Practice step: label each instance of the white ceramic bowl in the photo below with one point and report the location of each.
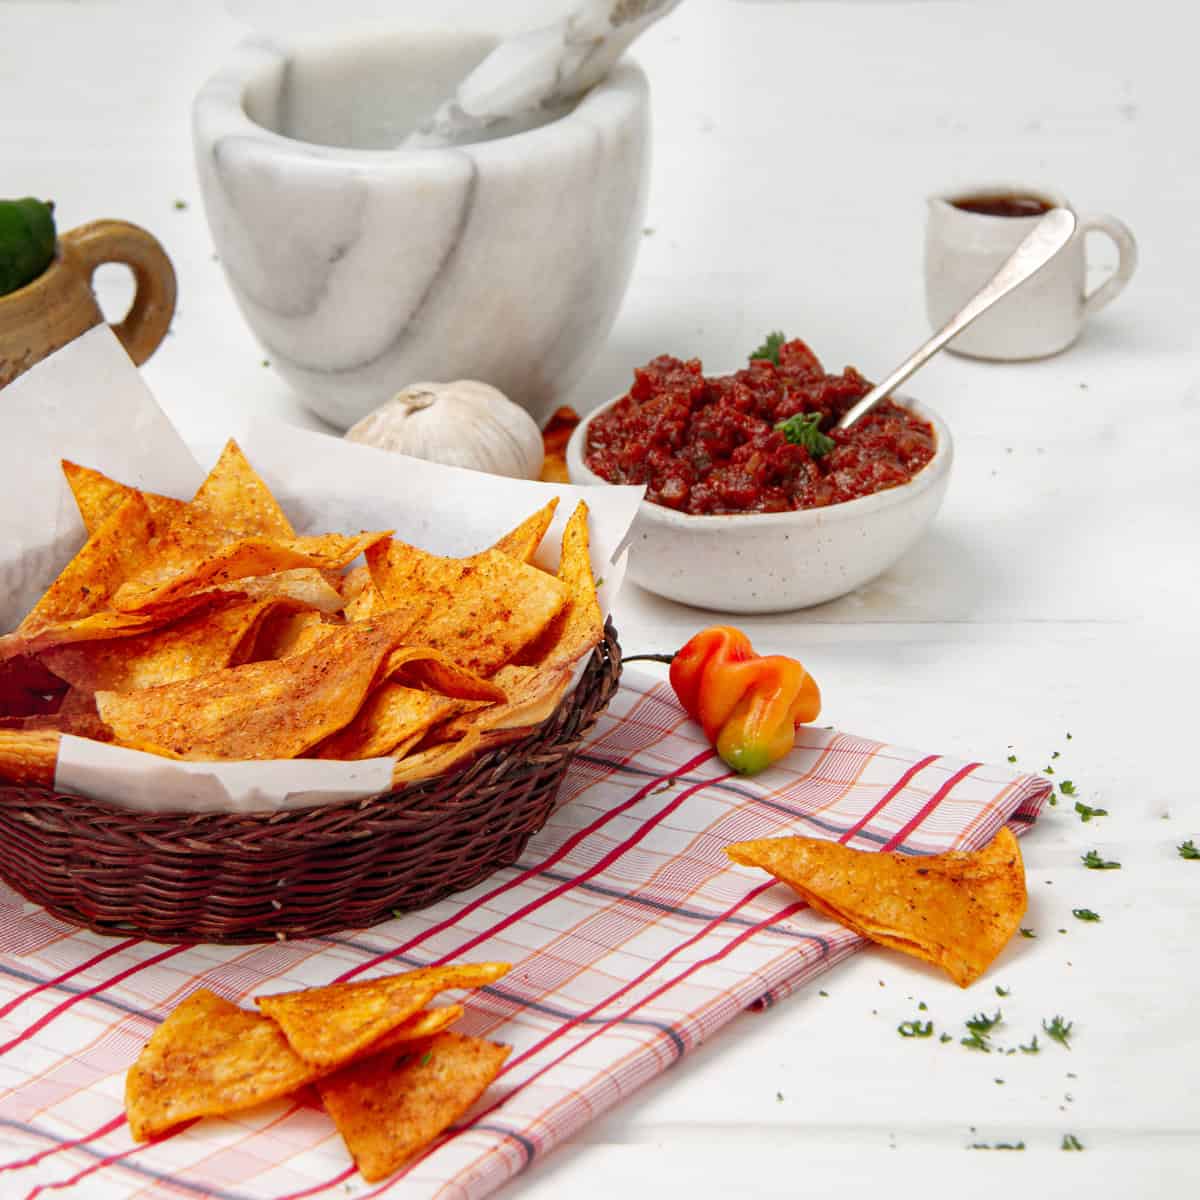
(775, 562)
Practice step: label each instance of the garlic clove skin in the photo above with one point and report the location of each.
(460, 424)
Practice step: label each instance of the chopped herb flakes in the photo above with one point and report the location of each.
(1002, 991)
(1032, 1047)
(1027, 933)
(1071, 1142)
(426, 1057)
(915, 1029)
(1085, 914)
(1094, 862)
(1086, 811)
(922, 1007)
(945, 1037)
(822, 992)
(997, 1146)
(976, 1042)
(1188, 850)
(1067, 787)
(1059, 1030)
(778, 1097)
(1012, 758)
(982, 1023)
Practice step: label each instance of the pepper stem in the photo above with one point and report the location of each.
(662, 658)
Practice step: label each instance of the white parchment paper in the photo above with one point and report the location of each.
(88, 403)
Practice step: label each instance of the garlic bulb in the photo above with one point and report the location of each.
(460, 424)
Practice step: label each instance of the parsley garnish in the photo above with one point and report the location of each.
(1094, 862)
(1002, 991)
(1067, 787)
(1012, 758)
(975, 1042)
(822, 992)
(1086, 811)
(778, 1097)
(910, 1029)
(1085, 914)
(426, 1057)
(982, 1023)
(1027, 933)
(1032, 1048)
(1049, 770)
(804, 429)
(997, 1146)
(770, 347)
(1188, 850)
(1071, 1142)
(945, 1038)
(1059, 1030)
(922, 1007)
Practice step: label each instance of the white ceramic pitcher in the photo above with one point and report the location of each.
(1046, 313)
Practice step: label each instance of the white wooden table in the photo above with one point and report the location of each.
(1051, 609)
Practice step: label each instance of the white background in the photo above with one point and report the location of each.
(794, 146)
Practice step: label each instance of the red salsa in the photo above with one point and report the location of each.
(709, 444)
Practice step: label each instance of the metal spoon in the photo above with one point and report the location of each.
(1045, 240)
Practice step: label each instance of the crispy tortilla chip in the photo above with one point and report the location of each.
(436, 760)
(555, 436)
(481, 610)
(416, 1029)
(955, 910)
(261, 710)
(209, 1058)
(75, 715)
(28, 756)
(393, 715)
(533, 695)
(389, 1107)
(205, 640)
(119, 548)
(306, 586)
(286, 633)
(329, 1024)
(234, 499)
(97, 496)
(522, 543)
(435, 670)
(183, 566)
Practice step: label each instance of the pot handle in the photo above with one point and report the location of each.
(149, 316)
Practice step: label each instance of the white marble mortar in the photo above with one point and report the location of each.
(361, 267)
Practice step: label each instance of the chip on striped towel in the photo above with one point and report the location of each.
(390, 1106)
(328, 1024)
(956, 910)
(209, 1058)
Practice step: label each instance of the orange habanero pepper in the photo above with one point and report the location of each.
(749, 705)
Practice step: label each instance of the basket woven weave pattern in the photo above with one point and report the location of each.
(252, 877)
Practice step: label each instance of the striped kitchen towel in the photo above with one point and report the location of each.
(632, 939)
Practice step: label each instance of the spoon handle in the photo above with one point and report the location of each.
(1045, 240)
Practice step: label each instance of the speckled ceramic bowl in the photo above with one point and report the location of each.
(775, 562)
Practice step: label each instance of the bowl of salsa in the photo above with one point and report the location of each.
(755, 501)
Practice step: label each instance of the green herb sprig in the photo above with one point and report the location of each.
(804, 429)
(1087, 812)
(770, 347)
(915, 1029)
(1071, 1142)
(1188, 850)
(1085, 914)
(1094, 862)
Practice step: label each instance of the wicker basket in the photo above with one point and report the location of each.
(246, 877)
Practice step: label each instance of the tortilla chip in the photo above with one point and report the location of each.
(184, 564)
(393, 715)
(306, 586)
(522, 543)
(436, 760)
(209, 1058)
(435, 670)
(416, 1029)
(286, 633)
(578, 629)
(76, 715)
(234, 499)
(97, 496)
(480, 610)
(120, 547)
(328, 1024)
(262, 710)
(205, 640)
(555, 436)
(28, 756)
(389, 1107)
(955, 910)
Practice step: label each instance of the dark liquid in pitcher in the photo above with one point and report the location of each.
(1004, 205)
